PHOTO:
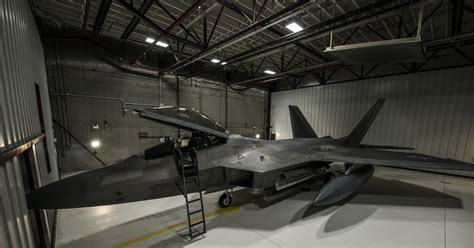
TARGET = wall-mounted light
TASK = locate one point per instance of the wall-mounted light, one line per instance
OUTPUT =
(95, 144)
(294, 27)
(257, 136)
(269, 72)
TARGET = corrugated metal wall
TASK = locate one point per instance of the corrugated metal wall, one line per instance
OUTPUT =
(431, 111)
(21, 66)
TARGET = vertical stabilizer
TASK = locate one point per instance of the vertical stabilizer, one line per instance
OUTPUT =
(299, 124)
(358, 133)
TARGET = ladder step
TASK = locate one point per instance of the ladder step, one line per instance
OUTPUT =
(197, 223)
(198, 234)
(195, 212)
(195, 200)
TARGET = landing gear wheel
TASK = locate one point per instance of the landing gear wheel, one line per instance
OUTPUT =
(328, 177)
(225, 200)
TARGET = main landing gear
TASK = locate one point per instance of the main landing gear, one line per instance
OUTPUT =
(225, 199)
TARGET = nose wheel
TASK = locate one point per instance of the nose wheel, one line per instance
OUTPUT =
(225, 200)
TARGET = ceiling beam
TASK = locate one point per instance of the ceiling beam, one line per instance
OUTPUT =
(434, 45)
(281, 15)
(457, 17)
(166, 32)
(101, 14)
(163, 33)
(356, 18)
(85, 17)
(134, 22)
(235, 8)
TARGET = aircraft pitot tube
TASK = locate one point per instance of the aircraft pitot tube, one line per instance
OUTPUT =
(343, 186)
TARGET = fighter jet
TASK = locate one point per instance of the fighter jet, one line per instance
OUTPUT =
(215, 160)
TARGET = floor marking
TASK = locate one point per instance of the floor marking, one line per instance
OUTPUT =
(176, 226)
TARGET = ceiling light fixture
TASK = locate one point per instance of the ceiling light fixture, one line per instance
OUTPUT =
(294, 27)
(224, 63)
(269, 72)
(162, 44)
(215, 61)
(158, 43)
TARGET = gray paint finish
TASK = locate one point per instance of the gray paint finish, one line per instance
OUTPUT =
(21, 66)
(431, 111)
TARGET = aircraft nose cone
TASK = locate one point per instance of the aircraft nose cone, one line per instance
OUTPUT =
(342, 187)
(324, 198)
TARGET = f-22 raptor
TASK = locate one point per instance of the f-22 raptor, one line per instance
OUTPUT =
(216, 160)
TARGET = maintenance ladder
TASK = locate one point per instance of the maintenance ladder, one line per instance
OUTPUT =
(187, 166)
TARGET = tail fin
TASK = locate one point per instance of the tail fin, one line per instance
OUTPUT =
(299, 124)
(358, 133)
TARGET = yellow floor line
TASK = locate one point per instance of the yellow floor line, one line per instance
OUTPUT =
(176, 226)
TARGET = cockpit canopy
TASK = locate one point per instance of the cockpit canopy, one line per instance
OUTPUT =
(184, 117)
(205, 131)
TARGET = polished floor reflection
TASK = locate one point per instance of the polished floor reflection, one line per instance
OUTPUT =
(396, 208)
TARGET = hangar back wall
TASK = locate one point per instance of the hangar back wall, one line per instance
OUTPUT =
(81, 67)
(431, 111)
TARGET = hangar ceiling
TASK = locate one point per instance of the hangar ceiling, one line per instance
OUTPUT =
(251, 37)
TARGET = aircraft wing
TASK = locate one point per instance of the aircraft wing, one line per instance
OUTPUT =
(396, 159)
(183, 117)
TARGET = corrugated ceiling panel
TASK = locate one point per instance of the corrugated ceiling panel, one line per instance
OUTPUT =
(431, 111)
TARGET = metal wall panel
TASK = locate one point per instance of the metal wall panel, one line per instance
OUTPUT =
(21, 66)
(87, 72)
(431, 111)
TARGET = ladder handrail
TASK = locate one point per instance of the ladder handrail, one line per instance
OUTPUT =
(195, 166)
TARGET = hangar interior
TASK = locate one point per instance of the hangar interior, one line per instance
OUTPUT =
(75, 74)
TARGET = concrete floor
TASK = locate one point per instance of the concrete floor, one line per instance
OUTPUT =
(396, 208)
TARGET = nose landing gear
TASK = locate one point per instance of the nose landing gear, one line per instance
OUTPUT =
(225, 200)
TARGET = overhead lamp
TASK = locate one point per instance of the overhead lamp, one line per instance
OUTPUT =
(161, 44)
(224, 63)
(158, 43)
(95, 143)
(269, 72)
(294, 27)
(215, 61)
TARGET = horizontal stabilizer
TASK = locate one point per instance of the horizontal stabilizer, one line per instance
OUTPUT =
(299, 124)
(385, 147)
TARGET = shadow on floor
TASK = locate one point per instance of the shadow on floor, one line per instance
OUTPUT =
(376, 191)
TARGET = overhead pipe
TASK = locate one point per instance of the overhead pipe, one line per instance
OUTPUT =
(121, 100)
